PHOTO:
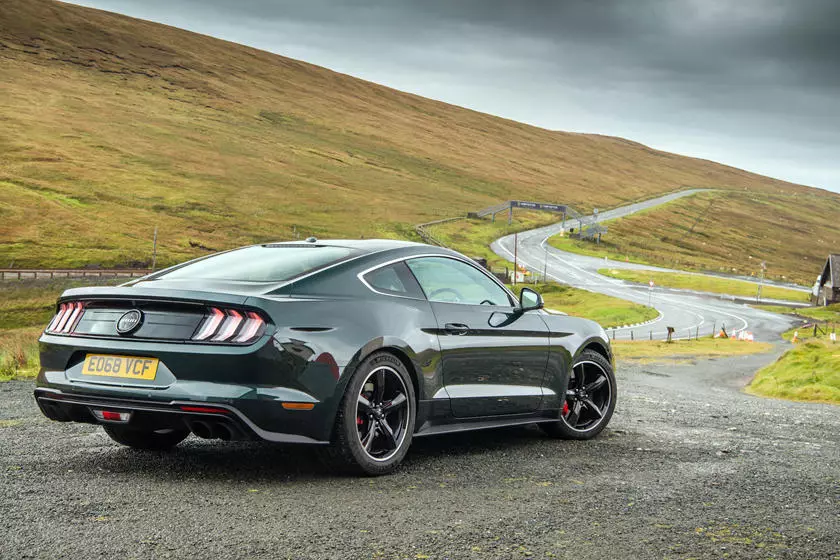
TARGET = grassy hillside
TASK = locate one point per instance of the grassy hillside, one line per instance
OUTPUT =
(712, 284)
(643, 351)
(809, 372)
(830, 313)
(112, 126)
(729, 232)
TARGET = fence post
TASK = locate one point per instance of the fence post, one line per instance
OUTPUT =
(651, 335)
(631, 336)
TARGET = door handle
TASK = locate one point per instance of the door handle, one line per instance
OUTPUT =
(456, 328)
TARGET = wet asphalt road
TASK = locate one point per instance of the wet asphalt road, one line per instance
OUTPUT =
(689, 468)
(690, 313)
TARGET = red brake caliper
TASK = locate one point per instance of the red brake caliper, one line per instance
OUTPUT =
(359, 421)
(565, 408)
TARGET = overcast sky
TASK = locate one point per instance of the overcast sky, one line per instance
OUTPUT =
(751, 83)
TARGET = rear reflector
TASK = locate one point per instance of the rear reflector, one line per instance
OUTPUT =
(111, 415)
(231, 326)
(205, 409)
(298, 405)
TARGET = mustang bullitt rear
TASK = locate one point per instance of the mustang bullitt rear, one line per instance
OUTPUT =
(355, 346)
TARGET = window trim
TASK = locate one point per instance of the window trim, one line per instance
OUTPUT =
(413, 291)
(513, 300)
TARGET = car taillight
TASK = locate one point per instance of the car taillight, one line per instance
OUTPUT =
(230, 325)
(66, 319)
(250, 329)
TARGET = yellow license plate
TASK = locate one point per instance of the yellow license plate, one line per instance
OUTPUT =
(131, 367)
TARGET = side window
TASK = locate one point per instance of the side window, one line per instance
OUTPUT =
(453, 281)
(394, 279)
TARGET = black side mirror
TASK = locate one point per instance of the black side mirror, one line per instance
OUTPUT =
(529, 299)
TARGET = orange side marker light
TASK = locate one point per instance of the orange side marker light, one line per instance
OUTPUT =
(298, 405)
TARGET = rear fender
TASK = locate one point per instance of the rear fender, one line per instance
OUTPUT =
(396, 346)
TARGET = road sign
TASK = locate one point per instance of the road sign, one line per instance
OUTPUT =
(651, 284)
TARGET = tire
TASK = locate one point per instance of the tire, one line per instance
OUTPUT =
(145, 440)
(372, 439)
(594, 405)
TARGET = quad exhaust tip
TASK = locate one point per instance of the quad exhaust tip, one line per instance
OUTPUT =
(211, 430)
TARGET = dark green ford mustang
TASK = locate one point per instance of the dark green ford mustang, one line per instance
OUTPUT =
(358, 346)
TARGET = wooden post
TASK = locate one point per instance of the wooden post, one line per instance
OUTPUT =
(154, 251)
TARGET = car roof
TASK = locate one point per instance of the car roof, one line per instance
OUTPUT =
(364, 245)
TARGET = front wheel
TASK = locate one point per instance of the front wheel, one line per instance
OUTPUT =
(375, 421)
(590, 399)
(147, 440)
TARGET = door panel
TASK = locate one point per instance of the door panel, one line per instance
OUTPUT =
(493, 359)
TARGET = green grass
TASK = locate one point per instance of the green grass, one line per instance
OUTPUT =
(591, 249)
(810, 372)
(139, 125)
(19, 353)
(806, 332)
(830, 313)
(703, 348)
(704, 283)
(606, 310)
(472, 237)
(726, 232)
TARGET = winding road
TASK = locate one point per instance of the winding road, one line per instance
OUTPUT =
(688, 312)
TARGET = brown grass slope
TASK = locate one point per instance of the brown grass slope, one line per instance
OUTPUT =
(731, 233)
(112, 125)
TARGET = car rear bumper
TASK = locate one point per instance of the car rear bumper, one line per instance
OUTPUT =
(221, 421)
(269, 390)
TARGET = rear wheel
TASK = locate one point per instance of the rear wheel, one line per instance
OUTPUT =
(590, 399)
(148, 440)
(375, 421)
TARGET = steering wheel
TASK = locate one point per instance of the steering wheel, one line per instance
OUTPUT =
(453, 291)
(487, 302)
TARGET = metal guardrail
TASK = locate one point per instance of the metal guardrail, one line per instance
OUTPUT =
(43, 273)
(509, 205)
(493, 209)
(428, 237)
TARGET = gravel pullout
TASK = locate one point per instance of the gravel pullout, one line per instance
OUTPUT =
(689, 468)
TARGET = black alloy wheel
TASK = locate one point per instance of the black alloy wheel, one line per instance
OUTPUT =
(375, 422)
(590, 399)
(382, 413)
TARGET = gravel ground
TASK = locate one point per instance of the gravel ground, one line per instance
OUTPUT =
(690, 468)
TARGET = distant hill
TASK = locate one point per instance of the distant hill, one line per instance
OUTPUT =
(112, 126)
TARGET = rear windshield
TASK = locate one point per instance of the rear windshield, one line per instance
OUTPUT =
(272, 263)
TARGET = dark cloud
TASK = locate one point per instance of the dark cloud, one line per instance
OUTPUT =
(752, 83)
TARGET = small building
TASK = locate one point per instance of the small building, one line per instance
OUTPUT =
(827, 287)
